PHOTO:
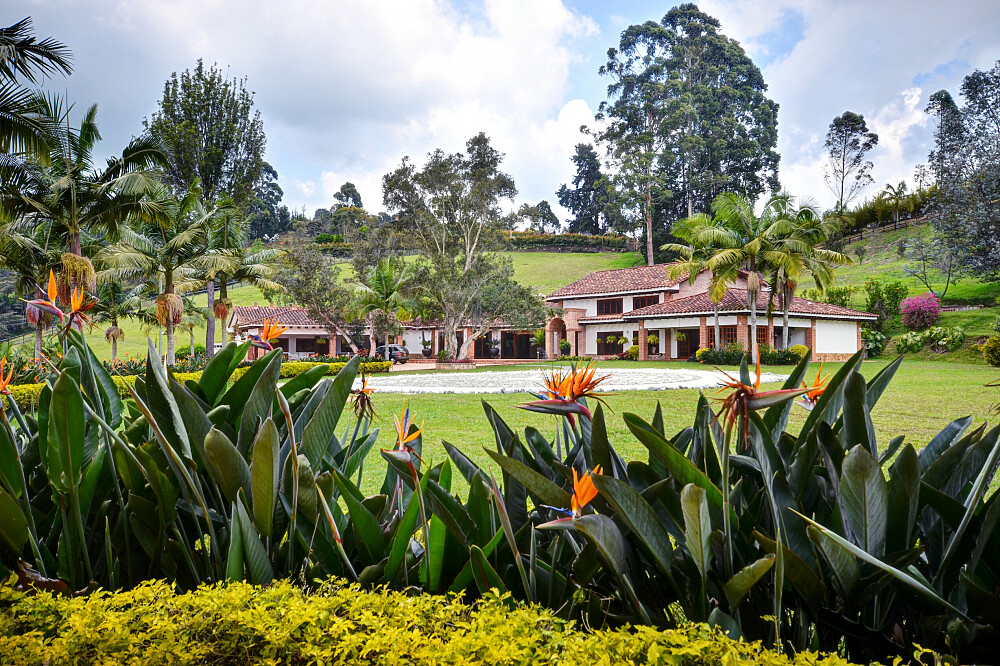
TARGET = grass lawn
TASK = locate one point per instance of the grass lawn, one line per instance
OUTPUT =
(923, 398)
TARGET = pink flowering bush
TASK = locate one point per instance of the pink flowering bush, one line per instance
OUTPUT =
(920, 312)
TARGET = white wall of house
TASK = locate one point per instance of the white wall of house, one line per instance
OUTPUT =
(411, 339)
(591, 331)
(836, 337)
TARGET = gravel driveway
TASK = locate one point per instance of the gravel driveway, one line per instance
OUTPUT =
(520, 381)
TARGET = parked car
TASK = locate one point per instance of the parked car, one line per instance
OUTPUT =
(397, 353)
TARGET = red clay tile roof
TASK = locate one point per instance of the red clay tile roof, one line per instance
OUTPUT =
(252, 316)
(600, 318)
(618, 280)
(735, 300)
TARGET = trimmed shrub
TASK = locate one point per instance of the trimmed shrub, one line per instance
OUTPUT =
(941, 339)
(920, 312)
(237, 623)
(800, 350)
(631, 354)
(991, 350)
(564, 346)
(874, 342)
(779, 356)
(729, 355)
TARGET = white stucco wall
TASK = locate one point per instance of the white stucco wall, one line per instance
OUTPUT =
(836, 337)
(591, 331)
(411, 340)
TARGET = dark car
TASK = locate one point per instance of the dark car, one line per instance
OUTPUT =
(397, 353)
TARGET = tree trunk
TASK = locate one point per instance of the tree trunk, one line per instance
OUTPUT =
(114, 349)
(223, 295)
(38, 340)
(753, 326)
(211, 323)
(649, 227)
(192, 342)
(718, 329)
(169, 358)
(450, 336)
(784, 320)
(338, 331)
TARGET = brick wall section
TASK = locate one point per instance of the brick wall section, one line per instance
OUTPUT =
(742, 335)
(861, 343)
(643, 343)
(811, 337)
(703, 332)
(770, 332)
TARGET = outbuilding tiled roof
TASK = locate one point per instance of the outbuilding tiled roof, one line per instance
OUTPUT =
(735, 301)
(618, 280)
(253, 316)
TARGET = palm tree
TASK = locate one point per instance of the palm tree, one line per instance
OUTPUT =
(692, 260)
(72, 198)
(382, 299)
(168, 253)
(897, 197)
(22, 135)
(22, 253)
(231, 260)
(114, 304)
(800, 244)
(745, 241)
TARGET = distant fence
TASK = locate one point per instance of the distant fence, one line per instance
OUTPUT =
(877, 231)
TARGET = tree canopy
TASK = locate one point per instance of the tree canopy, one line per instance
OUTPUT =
(848, 142)
(213, 131)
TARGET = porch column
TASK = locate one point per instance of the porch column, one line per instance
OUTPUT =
(472, 351)
(742, 335)
(861, 343)
(332, 345)
(643, 342)
(811, 336)
(770, 332)
(671, 342)
(551, 344)
(703, 332)
(571, 335)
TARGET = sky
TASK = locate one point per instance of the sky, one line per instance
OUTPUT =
(347, 89)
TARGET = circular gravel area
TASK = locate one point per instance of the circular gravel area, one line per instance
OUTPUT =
(521, 381)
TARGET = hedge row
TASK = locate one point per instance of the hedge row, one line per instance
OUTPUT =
(26, 395)
(237, 623)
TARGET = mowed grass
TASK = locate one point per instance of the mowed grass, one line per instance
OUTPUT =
(922, 399)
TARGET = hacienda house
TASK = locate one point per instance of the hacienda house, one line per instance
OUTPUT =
(636, 303)
(596, 312)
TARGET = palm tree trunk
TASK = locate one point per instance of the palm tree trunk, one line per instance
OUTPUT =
(649, 227)
(718, 329)
(223, 295)
(192, 342)
(114, 349)
(753, 325)
(784, 319)
(169, 360)
(211, 323)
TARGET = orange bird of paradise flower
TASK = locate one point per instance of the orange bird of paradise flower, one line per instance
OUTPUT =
(583, 490)
(78, 306)
(5, 381)
(49, 304)
(746, 398)
(269, 331)
(562, 393)
(814, 392)
(403, 434)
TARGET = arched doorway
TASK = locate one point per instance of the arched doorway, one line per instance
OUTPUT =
(555, 331)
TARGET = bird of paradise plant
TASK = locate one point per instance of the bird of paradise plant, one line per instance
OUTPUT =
(562, 394)
(583, 490)
(48, 303)
(403, 435)
(270, 330)
(814, 392)
(364, 407)
(78, 307)
(5, 380)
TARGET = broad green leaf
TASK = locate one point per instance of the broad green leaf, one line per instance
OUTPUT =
(845, 569)
(903, 499)
(467, 468)
(228, 467)
(858, 427)
(697, 528)
(640, 518)
(865, 499)
(240, 391)
(365, 524)
(216, 373)
(258, 405)
(483, 573)
(740, 584)
(255, 556)
(829, 403)
(802, 577)
(901, 576)
(66, 432)
(543, 489)
(196, 422)
(322, 426)
(944, 439)
(234, 557)
(161, 404)
(13, 524)
(264, 477)
(609, 540)
(403, 533)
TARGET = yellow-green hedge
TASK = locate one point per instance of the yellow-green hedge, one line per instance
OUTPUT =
(296, 368)
(238, 623)
(26, 395)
